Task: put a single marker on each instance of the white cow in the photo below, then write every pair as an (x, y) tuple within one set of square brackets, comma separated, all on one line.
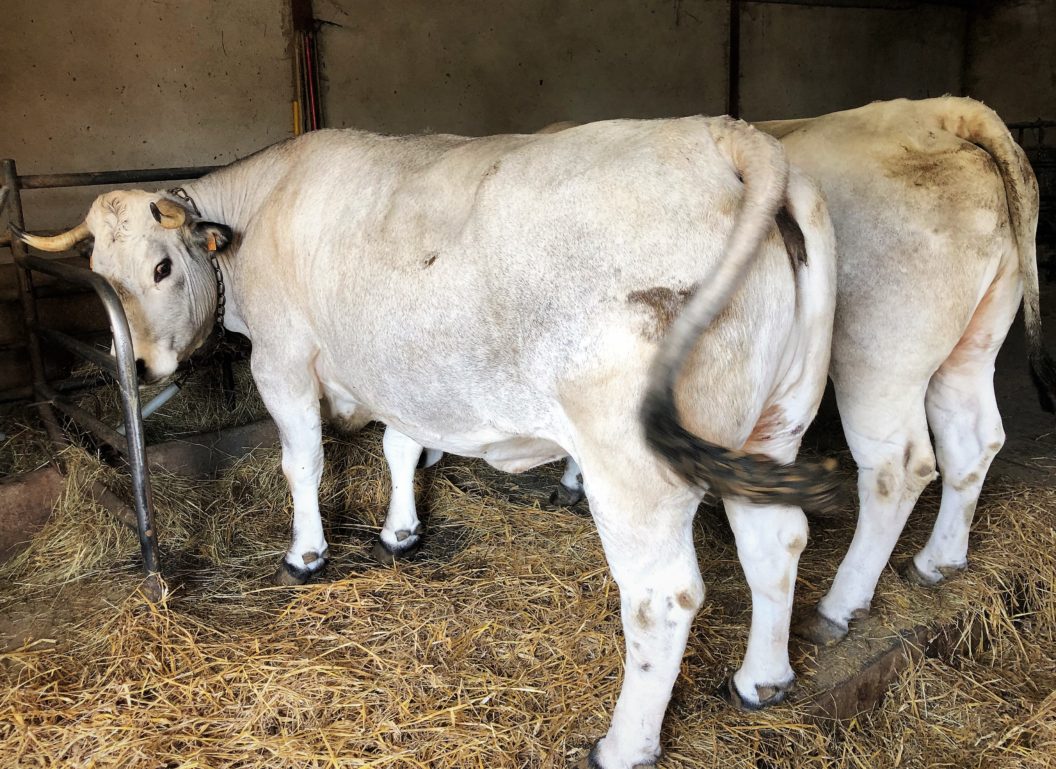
[(935, 209), (516, 298)]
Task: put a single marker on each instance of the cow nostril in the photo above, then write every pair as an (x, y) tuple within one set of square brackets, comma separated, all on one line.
[(141, 369)]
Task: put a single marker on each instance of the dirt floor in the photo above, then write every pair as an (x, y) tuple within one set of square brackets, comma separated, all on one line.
[(499, 645)]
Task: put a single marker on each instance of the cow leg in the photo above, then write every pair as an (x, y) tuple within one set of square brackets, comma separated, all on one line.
[(429, 458), (646, 531), (294, 405), (401, 534), (963, 415), (770, 539), (571, 489), (890, 443)]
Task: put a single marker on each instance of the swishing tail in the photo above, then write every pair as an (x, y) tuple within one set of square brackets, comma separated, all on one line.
[(762, 164), (980, 125)]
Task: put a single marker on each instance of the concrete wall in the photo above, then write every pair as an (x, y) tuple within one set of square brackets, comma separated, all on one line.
[(113, 84), (799, 61), (1012, 60), (478, 66)]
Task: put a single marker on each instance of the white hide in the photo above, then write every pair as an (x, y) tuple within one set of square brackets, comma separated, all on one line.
[(935, 209), (503, 298)]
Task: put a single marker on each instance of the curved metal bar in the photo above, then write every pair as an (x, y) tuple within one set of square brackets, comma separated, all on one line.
[(129, 387)]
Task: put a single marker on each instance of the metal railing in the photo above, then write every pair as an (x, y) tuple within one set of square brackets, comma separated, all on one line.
[(1039, 128), (130, 445)]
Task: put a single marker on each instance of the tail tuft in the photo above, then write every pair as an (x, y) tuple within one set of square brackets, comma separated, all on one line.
[(756, 478)]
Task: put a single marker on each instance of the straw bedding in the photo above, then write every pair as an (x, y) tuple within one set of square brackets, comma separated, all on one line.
[(498, 646)]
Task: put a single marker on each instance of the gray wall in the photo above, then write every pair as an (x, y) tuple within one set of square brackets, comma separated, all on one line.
[(799, 61), (1012, 60), (108, 84), (479, 66)]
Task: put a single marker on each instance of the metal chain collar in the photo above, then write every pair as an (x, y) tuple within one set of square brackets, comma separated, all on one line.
[(181, 193), (221, 297)]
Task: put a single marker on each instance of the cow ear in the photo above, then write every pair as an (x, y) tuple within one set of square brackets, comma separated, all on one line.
[(212, 236)]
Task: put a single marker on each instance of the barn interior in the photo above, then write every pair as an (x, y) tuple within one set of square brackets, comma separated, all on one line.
[(499, 644)]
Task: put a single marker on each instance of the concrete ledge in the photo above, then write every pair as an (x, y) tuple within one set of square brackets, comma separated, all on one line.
[(204, 454), (26, 502), (853, 677)]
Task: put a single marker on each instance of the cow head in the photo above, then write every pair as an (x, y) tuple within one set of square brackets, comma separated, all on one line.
[(156, 255)]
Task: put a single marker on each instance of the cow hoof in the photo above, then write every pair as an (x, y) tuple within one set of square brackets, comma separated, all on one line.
[(912, 574), (820, 630), (590, 761), (289, 576), (949, 572), (769, 695), (565, 496), (410, 543)]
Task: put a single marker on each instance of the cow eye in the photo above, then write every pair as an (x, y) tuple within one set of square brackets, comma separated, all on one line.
[(163, 270)]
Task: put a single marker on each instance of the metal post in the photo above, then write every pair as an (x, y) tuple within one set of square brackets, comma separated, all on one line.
[(28, 299), (128, 383)]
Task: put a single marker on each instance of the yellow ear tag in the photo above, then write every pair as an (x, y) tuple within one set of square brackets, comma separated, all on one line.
[(211, 245)]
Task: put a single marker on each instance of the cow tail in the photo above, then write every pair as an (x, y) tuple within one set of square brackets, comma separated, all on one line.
[(976, 123), (762, 165)]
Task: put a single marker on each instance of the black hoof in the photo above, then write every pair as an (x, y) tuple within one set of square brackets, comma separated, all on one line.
[(773, 694), (288, 575), (949, 572), (410, 543), (914, 576), (565, 496), (820, 630), (589, 760)]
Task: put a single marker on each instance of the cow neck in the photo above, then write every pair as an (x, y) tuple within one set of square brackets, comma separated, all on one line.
[(233, 195), (219, 328)]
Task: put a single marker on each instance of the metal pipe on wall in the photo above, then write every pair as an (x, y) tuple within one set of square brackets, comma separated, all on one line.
[(93, 178), (733, 65), (307, 105)]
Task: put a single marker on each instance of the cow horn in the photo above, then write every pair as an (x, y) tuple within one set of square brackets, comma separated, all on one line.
[(55, 243), (168, 213)]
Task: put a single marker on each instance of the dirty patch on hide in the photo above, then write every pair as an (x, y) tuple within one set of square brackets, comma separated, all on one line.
[(663, 305)]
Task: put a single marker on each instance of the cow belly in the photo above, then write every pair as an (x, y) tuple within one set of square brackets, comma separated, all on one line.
[(519, 454), (509, 453)]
